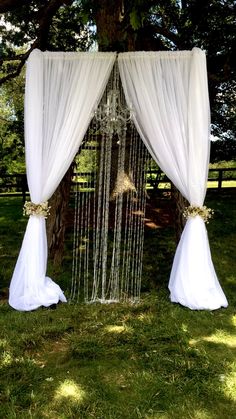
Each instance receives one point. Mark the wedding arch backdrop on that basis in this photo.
(110, 208)
(168, 94)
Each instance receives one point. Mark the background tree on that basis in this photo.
(125, 25)
(128, 25)
(12, 127)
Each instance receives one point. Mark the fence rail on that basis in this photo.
(16, 185)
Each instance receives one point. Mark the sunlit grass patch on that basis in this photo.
(229, 383)
(117, 329)
(68, 389)
(6, 358)
(222, 337)
(233, 318)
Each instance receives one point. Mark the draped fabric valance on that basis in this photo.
(169, 96)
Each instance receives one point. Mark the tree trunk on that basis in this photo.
(179, 204)
(56, 222)
(113, 32)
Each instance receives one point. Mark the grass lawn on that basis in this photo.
(154, 360)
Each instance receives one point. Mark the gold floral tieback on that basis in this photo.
(36, 209)
(204, 212)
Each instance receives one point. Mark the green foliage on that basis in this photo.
(70, 30)
(12, 127)
(136, 18)
(223, 164)
(223, 150)
(67, 30)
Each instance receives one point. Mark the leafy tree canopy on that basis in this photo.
(128, 25)
(12, 127)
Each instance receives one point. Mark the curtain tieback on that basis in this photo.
(41, 210)
(204, 212)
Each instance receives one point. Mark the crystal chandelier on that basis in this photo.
(113, 115)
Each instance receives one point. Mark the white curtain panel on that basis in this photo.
(168, 92)
(62, 92)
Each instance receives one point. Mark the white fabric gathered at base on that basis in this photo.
(37, 289)
(172, 115)
(193, 281)
(62, 92)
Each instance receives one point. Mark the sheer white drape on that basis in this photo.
(62, 90)
(169, 95)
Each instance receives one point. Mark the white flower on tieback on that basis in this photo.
(36, 209)
(204, 212)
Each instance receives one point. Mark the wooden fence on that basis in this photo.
(217, 179)
(16, 185)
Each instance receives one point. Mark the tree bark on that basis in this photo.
(108, 24)
(57, 221)
(179, 203)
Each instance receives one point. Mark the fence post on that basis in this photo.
(220, 178)
(23, 187)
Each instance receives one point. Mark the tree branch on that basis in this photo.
(22, 60)
(44, 18)
(166, 33)
(14, 73)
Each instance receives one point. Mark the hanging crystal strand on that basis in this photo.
(139, 215)
(75, 244)
(83, 242)
(134, 216)
(115, 287)
(87, 220)
(140, 237)
(114, 279)
(97, 254)
(100, 207)
(85, 236)
(126, 268)
(124, 279)
(145, 155)
(94, 224)
(105, 224)
(141, 186)
(124, 212)
(129, 220)
(124, 286)
(136, 162)
(128, 277)
(81, 247)
(79, 238)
